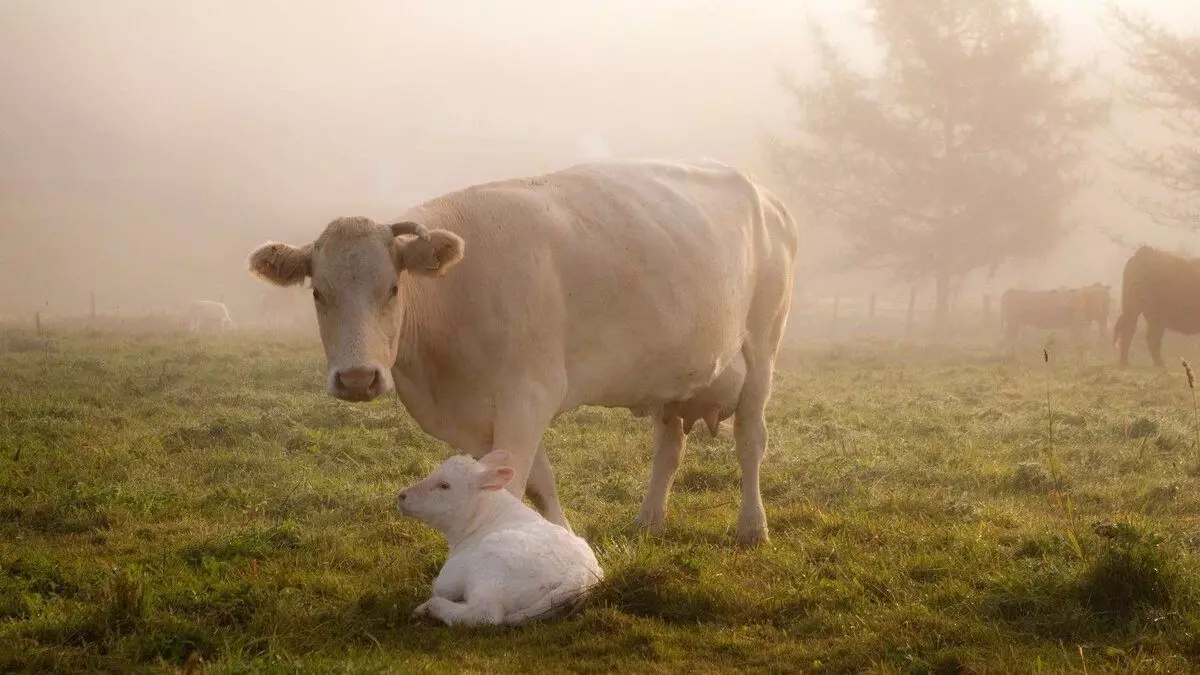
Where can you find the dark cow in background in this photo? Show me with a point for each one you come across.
(1070, 308)
(1163, 287)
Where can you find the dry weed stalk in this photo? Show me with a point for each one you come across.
(1191, 379)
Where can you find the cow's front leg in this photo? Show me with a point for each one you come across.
(519, 430)
(542, 491)
(669, 442)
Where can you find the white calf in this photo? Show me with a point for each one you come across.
(507, 563)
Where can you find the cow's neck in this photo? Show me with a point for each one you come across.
(415, 384)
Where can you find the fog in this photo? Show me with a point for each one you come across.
(147, 147)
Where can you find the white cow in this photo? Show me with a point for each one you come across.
(209, 315)
(630, 284)
(507, 563)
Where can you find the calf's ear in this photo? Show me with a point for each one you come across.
(495, 478)
(495, 458)
(281, 264)
(430, 255)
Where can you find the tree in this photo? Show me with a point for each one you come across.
(959, 152)
(1166, 69)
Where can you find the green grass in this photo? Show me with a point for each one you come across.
(162, 496)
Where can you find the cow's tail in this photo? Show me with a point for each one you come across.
(1131, 309)
(1126, 322)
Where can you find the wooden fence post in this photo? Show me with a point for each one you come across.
(93, 302)
(37, 322)
(871, 309)
(912, 301)
(837, 301)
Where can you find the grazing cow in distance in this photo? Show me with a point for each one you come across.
(209, 315)
(1095, 301)
(1070, 308)
(278, 307)
(1163, 287)
(627, 284)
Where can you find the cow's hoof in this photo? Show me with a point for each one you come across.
(752, 538)
(651, 522)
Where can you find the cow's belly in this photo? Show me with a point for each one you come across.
(653, 375)
(1180, 317)
(1187, 325)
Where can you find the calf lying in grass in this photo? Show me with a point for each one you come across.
(507, 563)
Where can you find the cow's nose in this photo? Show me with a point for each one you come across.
(358, 383)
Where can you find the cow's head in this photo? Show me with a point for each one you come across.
(355, 266)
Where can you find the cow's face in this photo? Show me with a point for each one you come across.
(355, 267)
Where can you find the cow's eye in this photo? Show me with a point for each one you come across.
(443, 485)
(395, 290)
(317, 296)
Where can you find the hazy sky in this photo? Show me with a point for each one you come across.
(146, 146)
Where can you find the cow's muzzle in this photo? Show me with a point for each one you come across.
(360, 383)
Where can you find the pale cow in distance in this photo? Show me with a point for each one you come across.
(507, 563)
(209, 315)
(632, 284)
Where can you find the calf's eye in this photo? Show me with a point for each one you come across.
(395, 290)
(317, 295)
(443, 485)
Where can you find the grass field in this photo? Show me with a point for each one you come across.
(163, 497)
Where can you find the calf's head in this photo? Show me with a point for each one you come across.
(355, 267)
(455, 491)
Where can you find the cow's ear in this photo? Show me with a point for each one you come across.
(281, 264)
(429, 257)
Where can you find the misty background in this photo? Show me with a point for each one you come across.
(147, 147)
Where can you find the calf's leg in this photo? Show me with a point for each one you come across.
(470, 613)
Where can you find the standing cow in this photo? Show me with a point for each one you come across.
(1070, 308)
(1095, 302)
(209, 315)
(632, 284)
(1166, 289)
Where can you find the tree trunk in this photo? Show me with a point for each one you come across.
(912, 304)
(941, 289)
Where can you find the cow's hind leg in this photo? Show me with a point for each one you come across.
(750, 421)
(669, 442)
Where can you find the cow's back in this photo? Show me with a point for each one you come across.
(628, 282)
(1165, 287)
